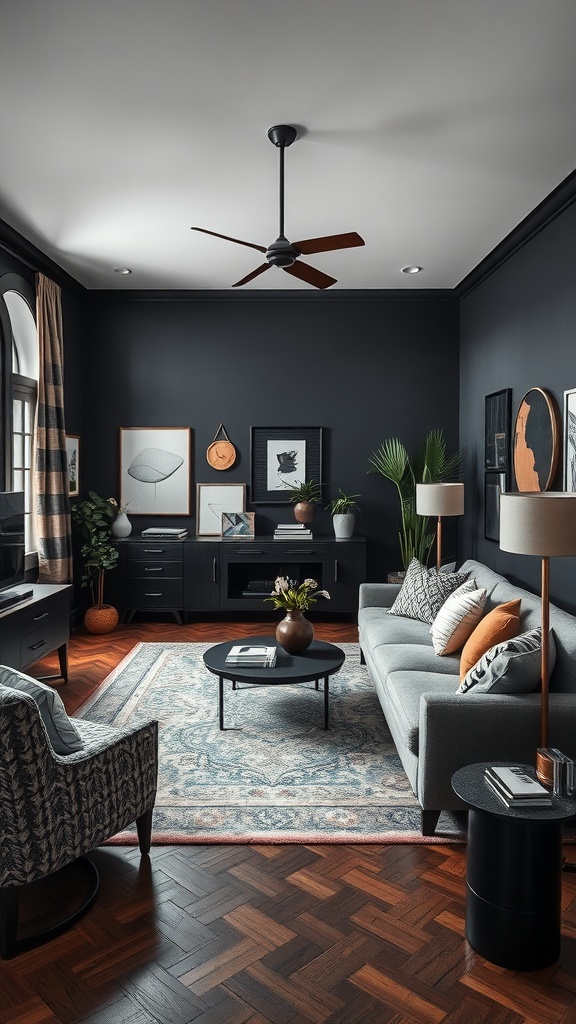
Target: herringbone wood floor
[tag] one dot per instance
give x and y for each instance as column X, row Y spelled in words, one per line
column 343, row 934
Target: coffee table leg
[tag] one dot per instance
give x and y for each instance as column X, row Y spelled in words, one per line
column 221, row 700
column 326, row 702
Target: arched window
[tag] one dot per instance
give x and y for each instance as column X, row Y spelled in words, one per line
column 21, row 340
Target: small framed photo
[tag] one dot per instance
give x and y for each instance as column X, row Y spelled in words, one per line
column 570, row 440
column 155, row 470
column 497, row 428
column 237, row 526
column 281, row 458
column 212, row 500
column 494, row 485
column 73, row 461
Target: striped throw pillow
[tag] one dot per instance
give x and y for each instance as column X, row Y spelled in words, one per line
column 512, row 666
column 458, row 617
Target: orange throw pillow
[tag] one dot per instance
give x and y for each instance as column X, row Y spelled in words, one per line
column 502, row 623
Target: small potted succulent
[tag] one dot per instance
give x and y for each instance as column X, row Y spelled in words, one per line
column 343, row 510
column 305, row 496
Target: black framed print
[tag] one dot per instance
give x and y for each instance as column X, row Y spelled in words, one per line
column 282, row 458
column 570, row 440
column 494, row 485
column 497, row 430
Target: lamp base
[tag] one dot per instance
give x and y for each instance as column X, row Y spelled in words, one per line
column 544, row 769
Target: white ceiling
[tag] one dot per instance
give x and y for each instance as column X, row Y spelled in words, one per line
column 431, row 127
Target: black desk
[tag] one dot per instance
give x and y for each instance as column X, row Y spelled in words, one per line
column 320, row 661
column 513, row 874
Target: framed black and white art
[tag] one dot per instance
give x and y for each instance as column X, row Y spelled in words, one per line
column 570, row 440
column 73, row 462
column 281, row 458
column 155, row 470
column 212, row 501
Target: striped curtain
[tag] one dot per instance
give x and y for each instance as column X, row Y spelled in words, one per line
column 51, row 480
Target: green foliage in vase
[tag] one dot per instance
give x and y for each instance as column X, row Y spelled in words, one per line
column 93, row 518
column 307, row 490
column 343, row 504
column 430, row 464
column 294, row 596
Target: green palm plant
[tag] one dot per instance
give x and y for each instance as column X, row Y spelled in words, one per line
column 430, row 464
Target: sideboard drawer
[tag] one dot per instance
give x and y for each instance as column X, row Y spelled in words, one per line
column 162, row 593
column 170, row 549
column 152, row 568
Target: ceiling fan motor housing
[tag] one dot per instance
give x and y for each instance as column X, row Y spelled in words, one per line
column 281, row 253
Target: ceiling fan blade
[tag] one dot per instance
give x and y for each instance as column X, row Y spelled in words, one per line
column 329, row 243
column 310, row 274
column 255, row 273
column 251, row 245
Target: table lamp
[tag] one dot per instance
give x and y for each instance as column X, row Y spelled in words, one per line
column 540, row 523
column 439, row 500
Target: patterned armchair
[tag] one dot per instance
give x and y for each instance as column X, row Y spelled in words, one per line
column 55, row 808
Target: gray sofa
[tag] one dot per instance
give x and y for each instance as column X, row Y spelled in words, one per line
column 436, row 730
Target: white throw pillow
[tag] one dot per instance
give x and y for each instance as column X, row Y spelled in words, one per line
column 424, row 591
column 458, row 617
column 63, row 735
column 512, row 666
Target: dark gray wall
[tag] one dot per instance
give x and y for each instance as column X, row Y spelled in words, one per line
column 517, row 330
column 363, row 368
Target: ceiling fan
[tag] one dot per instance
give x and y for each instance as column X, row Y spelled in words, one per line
column 285, row 254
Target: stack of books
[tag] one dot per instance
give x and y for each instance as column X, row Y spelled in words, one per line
column 156, row 532
column 247, row 656
column 258, row 588
column 288, row 531
column 516, row 789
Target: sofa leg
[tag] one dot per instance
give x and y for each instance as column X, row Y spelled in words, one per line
column 429, row 821
column 144, row 828
column 362, row 658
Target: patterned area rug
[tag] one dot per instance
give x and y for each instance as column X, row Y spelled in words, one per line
column 274, row 774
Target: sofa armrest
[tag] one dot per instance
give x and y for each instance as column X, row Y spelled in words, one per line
column 378, row 595
column 456, row 730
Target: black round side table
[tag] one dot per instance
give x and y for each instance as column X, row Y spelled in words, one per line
column 513, row 873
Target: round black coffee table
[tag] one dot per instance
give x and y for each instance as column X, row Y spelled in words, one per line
column 319, row 662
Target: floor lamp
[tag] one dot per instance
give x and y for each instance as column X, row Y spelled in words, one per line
column 541, row 523
column 439, row 500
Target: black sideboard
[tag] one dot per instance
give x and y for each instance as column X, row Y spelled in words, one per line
column 40, row 624
column 200, row 575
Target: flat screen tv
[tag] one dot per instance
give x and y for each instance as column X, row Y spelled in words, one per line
column 11, row 545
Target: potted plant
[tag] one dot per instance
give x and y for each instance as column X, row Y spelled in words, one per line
column 430, row 464
column 343, row 510
column 93, row 519
column 306, row 496
column 295, row 633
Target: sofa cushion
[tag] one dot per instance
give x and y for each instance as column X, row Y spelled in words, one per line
column 417, row 658
column 510, row 667
column 63, row 734
column 457, row 618
column 377, row 627
column 502, row 623
column 401, row 697
column 424, row 591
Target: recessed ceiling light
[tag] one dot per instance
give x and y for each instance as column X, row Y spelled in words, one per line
column 122, row 270
column 412, row 270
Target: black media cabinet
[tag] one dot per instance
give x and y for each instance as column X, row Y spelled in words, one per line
column 37, row 626
column 201, row 575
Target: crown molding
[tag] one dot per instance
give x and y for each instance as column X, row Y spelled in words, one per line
column 559, row 200
column 12, row 242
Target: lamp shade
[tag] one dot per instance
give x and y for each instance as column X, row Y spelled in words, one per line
column 538, row 523
column 440, row 499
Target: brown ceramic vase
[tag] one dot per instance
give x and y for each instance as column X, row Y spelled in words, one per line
column 294, row 633
column 304, row 511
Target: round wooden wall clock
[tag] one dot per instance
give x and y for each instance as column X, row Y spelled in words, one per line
column 536, row 441
column 221, row 454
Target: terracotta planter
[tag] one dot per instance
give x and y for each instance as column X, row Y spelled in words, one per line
column 101, row 620
column 304, row 511
column 294, row 633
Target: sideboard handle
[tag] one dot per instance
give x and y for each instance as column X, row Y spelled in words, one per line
column 156, row 568
column 147, row 594
column 34, row 647
column 302, row 551
column 335, row 570
column 213, row 570
column 44, row 615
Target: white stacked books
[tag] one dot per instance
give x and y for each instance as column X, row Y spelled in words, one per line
column 517, row 789
column 154, row 532
column 251, row 656
column 286, row 531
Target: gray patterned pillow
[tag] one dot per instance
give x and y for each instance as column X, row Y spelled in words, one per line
column 512, row 666
column 424, row 591
column 63, row 735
